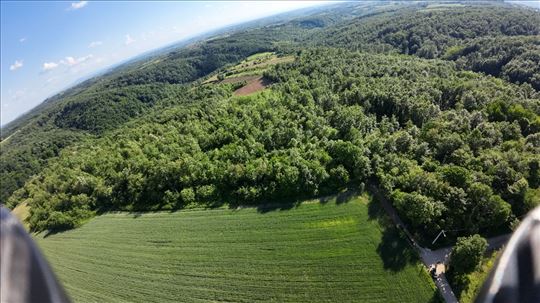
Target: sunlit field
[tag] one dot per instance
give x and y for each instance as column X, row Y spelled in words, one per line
column 316, row 252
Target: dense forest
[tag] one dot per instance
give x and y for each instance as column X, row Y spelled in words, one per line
column 452, row 149
column 103, row 104
column 437, row 106
column 495, row 40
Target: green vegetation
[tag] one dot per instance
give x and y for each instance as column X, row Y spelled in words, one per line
column 506, row 47
column 27, row 151
column 492, row 39
column 21, row 212
column 472, row 282
column 512, row 58
column 469, row 266
column 438, row 106
column 254, row 65
column 106, row 102
column 319, row 251
column 467, row 254
column 451, row 149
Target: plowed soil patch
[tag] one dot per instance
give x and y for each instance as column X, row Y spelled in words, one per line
column 253, row 86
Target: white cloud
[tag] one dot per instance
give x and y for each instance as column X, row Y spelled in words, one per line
column 15, row 66
column 17, row 95
column 129, row 40
column 70, row 61
column 95, row 44
column 78, row 5
column 47, row 66
column 23, row 39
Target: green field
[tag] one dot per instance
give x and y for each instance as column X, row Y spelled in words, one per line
column 316, row 252
column 253, row 65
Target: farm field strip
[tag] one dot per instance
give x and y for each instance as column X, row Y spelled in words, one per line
column 315, row 252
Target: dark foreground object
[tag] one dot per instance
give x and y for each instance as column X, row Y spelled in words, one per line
column 516, row 277
column 25, row 275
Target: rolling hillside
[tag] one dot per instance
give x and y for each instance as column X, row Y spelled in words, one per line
column 105, row 102
column 316, row 252
column 160, row 80
column 178, row 176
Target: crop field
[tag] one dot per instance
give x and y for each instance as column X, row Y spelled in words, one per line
column 315, row 252
column 252, row 66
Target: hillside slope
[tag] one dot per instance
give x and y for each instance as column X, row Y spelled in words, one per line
column 490, row 38
column 103, row 103
column 106, row 102
column 452, row 149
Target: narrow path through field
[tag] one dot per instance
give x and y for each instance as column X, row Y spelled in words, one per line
column 432, row 257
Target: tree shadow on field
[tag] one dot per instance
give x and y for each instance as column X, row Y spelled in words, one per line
column 52, row 232
column 436, row 298
column 460, row 283
column 394, row 250
column 376, row 212
column 340, row 198
column 285, row 204
column 290, row 203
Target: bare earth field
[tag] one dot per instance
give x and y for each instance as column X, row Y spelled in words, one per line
column 254, row 85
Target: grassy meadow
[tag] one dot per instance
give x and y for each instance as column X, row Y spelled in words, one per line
column 253, row 65
column 319, row 251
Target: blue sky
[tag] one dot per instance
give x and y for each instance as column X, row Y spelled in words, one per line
column 48, row 46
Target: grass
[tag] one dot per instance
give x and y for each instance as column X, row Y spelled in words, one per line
column 328, row 251
column 253, row 65
column 474, row 281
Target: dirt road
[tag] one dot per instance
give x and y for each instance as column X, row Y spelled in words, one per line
column 431, row 257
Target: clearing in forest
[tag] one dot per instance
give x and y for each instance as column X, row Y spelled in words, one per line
column 252, row 66
column 254, row 85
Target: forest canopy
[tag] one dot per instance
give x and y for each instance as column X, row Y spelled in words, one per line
column 439, row 108
column 452, row 149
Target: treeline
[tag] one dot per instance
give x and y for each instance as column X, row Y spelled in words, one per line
column 451, row 149
column 97, row 112
column 429, row 33
column 27, row 153
column 82, row 115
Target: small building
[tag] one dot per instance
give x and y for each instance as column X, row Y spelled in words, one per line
column 440, row 268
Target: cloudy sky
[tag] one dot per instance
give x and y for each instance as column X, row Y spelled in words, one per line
column 48, row 46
